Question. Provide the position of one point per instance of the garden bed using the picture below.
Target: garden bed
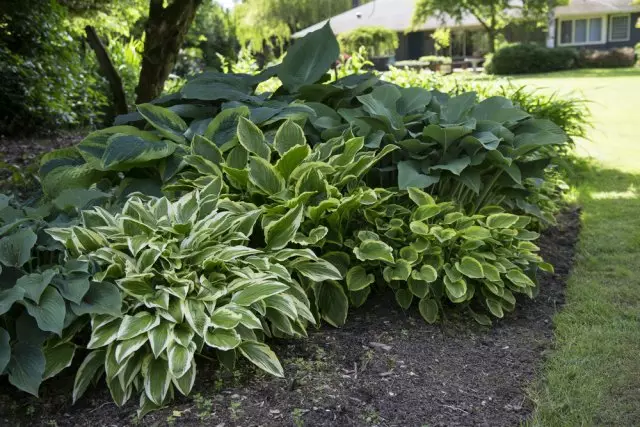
(385, 367)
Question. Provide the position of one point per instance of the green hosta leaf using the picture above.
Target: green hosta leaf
(409, 176)
(404, 297)
(184, 384)
(77, 198)
(317, 270)
(491, 272)
(101, 298)
(279, 233)
(15, 249)
(457, 289)
(201, 146)
(400, 271)
(470, 267)
(427, 273)
(292, 159)
(64, 169)
(262, 356)
(252, 139)
(443, 234)
(501, 220)
(309, 58)
(49, 312)
(222, 339)
(429, 309)
(419, 288)
(419, 197)
(127, 151)
(374, 250)
(446, 136)
(257, 292)
(288, 136)
(128, 347)
(331, 302)
(166, 121)
(545, 266)
(313, 238)
(358, 298)
(104, 334)
(26, 368)
(409, 254)
(495, 307)
(455, 166)
(224, 126)
(196, 315)
(91, 365)
(518, 278)
(139, 323)
(223, 318)
(157, 380)
(424, 212)
(5, 349)
(419, 227)
(358, 279)
(265, 176)
(179, 359)
(159, 338)
(413, 100)
(34, 284)
(475, 232)
(57, 358)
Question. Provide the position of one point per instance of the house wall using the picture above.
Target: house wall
(634, 36)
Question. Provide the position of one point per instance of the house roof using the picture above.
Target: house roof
(587, 7)
(392, 14)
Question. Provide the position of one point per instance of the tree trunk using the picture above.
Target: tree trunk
(109, 71)
(492, 41)
(165, 31)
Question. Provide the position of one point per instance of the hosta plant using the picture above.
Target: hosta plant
(44, 298)
(191, 284)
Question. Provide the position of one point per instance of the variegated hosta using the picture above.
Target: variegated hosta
(432, 252)
(191, 284)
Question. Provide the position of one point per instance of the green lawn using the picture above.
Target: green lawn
(593, 376)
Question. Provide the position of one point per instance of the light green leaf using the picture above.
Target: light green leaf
(518, 278)
(265, 176)
(289, 135)
(501, 220)
(15, 249)
(427, 274)
(470, 267)
(222, 339)
(279, 233)
(252, 139)
(358, 279)
(429, 309)
(374, 250)
(475, 232)
(419, 197)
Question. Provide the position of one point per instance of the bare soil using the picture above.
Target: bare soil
(386, 367)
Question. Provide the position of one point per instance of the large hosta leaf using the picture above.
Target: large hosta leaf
(166, 121)
(332, 302)
(26, 367)
(127, 151)
(409, 176)
(309, 58)
(49, 312)
(15, 249)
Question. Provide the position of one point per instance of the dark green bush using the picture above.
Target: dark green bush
(532, 58)
(610, 58)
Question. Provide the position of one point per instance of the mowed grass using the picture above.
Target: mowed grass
(592, 378)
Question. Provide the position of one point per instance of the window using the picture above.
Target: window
(619, 28)
(582, 31)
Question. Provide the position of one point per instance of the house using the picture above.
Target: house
(584, 23)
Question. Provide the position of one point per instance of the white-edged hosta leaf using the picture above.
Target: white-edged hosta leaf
(265, 176)
(179, 359)
(318, 270)
(470, 267)
(374, 250)
(280, 232)
(290, 160)
(157, 379)
(501, 220)
(196, 316)
(159, 338)
(358, 279)
(257, 292)
(428, 308)
(222, 339)
(184, 384)
(104, 334)
(457, 288)
(166, 121)
(284, 304)
(427, 274)
(125, 348)
(223, 318)
(251, 138)
(289, 135)
(262, 356)
(137, 324)
(331, 302)
(518, 278)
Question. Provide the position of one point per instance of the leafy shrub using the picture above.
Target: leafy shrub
(609, 58)
(379, 41)
(43, 295)
(433, 59)
(532, 58)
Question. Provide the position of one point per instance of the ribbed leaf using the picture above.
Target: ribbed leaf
(262, 356)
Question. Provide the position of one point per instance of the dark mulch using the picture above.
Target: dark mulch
(384, 368)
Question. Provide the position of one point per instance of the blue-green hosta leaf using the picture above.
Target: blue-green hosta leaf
(127, 151)
(455, 166)
(404, 297)
(456, 108)
(77, 198)
(527, 142)
(222, 339)
(488, 140)
(289, 135)
(251, 138)
(470, 267)
(166, 121)
(265, 176)
(15, 249)
(413, 100)
(89, 368)
(49, 312)
(374, 250)
(409, 175)
(212, 86)
(101, 298)
(26, 367)
(445, 136)
(34, 284)
(429, 309)
(501, 220)
(93, 147)
(292, 159)
(381, 104)
(358, 279)
(257, 292)
(331, 302)
(309, 58)
(224, 126)
(73, 287)
(202, 146)
(514, 172)
(5, 349)
(157, 379)
(279, 233)
(317, 270)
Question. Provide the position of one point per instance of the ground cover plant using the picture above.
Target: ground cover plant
(230, 216)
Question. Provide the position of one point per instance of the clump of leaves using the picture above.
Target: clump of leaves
(190, 285)
(43, 296)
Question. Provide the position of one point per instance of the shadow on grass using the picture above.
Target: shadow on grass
(592, 376)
